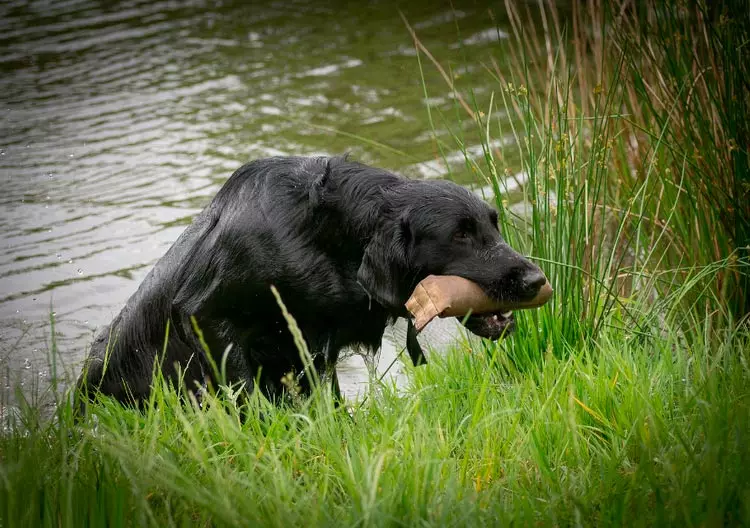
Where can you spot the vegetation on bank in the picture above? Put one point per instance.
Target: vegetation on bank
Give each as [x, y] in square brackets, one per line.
[626, 400]
[629, 430]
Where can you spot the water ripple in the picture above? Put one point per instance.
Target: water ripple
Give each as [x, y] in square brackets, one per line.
[119, 122]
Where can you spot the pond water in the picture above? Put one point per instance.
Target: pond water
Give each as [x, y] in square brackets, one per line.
[120, 120]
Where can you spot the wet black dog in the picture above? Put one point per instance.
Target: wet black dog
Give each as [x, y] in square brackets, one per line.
[344, 243]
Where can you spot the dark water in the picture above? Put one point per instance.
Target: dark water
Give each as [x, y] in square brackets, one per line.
[120, 120]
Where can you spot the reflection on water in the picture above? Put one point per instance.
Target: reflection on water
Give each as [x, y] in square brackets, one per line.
[119, 121]
[354, 373]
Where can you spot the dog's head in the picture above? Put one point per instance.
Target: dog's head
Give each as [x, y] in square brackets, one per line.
[440, 228]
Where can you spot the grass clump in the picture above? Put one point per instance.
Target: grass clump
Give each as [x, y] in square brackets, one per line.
[631, 123]
[629, 430]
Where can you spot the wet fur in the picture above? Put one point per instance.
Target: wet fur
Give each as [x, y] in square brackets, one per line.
[344, 244]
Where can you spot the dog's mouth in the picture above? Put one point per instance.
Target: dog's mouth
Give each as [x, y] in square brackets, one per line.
[450, 295]
[491, 325]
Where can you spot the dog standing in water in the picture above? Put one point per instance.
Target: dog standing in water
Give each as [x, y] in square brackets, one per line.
[345, 244]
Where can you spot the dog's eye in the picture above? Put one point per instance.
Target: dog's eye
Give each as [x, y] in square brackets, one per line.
[493, 218]
[463, 230]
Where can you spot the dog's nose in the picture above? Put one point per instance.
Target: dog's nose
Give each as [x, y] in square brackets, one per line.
[533, 281]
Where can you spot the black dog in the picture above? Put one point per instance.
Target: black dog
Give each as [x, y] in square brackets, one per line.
[344, 244]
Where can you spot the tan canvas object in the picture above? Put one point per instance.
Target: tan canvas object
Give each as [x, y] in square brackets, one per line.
[452, 296]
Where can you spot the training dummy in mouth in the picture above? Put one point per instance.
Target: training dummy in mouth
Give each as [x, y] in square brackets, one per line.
[452, 296]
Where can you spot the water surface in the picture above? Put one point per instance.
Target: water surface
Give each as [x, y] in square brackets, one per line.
[120, 120]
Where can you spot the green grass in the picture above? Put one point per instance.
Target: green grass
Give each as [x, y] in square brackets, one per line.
[629, 430]
[624, 401]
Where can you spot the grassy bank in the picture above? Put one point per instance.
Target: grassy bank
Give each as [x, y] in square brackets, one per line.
[631, 430]
[624, 401]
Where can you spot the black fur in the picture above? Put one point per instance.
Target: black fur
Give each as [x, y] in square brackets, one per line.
[344, 243]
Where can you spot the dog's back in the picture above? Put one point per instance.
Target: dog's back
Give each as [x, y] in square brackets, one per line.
[127, 348]
[272, 190]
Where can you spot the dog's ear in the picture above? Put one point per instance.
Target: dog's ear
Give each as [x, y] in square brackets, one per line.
[384, 271]
[320, 187]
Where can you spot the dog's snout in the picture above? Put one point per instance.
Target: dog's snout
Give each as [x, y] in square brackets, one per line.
[533, 280]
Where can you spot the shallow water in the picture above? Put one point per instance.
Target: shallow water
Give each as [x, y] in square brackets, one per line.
[119, 121]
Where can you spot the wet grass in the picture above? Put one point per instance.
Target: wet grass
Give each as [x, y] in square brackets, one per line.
[635, 428]
[625, 401]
